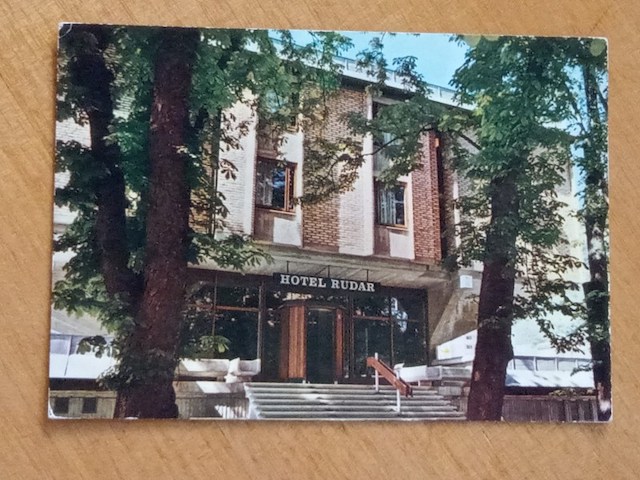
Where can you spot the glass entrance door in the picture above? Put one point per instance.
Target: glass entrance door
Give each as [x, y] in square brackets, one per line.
[321, 345]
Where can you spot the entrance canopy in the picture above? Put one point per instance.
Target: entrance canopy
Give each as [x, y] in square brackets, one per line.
[385, 271]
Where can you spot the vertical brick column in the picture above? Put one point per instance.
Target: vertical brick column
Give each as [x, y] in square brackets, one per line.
[426, 204]
[320, 221]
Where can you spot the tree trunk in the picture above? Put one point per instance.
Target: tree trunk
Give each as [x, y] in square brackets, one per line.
[596, 293]
[90, 72]
[595, 218]
[153, 345]
[495, 311]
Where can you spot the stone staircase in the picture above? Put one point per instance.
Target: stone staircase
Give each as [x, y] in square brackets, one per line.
[295, 401]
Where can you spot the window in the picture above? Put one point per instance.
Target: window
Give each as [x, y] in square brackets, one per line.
[393, 327]
[385, 144]
[390, 205]
[241, 329]
[90, 405]
[272, 337]
[61, 405]
[274, 184]
[409, 342]
[371, 337]
[230, 312]
[381, 146]
[281, 107]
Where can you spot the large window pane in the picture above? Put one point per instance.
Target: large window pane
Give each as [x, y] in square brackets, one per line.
[409, 344]
[201, 293]
[233, 322]
[371, 337]
[241, 329]
[274, 185]
[408, 307]
[390, 205]
[237, 297]
[371, 306]
[271, 350]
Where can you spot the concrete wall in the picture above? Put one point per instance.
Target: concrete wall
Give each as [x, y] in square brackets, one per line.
[238, 192]
[228, 406]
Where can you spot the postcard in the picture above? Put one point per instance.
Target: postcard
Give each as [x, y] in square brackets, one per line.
[321, 225]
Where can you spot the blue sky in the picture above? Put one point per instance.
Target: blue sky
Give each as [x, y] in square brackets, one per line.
[437, 57]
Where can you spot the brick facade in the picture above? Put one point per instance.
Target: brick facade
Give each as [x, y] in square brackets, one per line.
[321, 223]
[446, 179]
[426, 205]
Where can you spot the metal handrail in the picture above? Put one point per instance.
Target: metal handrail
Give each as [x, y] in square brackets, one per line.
[391, 376]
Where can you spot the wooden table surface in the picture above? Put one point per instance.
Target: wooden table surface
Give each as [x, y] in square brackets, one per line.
[33, 447]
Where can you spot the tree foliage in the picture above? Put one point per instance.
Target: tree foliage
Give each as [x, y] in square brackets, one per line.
[108, 81]
[587, 97]
[512, 217]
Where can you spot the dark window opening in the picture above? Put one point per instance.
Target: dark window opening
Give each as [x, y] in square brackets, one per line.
[409, 342]
[271, 351]
[241, 329]
[390, 206]
[373, 307]
[371, 337]
[61, 406]
[221, 311]
[274, 185]
[391, 326]
[90, 405]
[281, 108]
[386, 145]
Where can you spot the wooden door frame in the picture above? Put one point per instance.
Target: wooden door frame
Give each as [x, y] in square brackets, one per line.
[293, 345]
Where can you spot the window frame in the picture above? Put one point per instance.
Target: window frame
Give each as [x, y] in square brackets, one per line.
[289, 182]
[217, 309]
[379, 187]
[391, 322]
[90, 405]
[61, 405]
[273, 105]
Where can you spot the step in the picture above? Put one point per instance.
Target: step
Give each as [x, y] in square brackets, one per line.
[346, 398]
[336, 391]
[361, 415]
[346, 402]
[346, 408]
[332, 387]
[309, 391]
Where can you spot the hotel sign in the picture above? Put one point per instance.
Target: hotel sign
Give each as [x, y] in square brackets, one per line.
[327, 283]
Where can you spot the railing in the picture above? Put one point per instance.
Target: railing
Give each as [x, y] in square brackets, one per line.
[190, 404]
[350, 66]
[381, 368]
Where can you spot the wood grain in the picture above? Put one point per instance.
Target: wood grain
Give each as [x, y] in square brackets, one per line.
[32, 447]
